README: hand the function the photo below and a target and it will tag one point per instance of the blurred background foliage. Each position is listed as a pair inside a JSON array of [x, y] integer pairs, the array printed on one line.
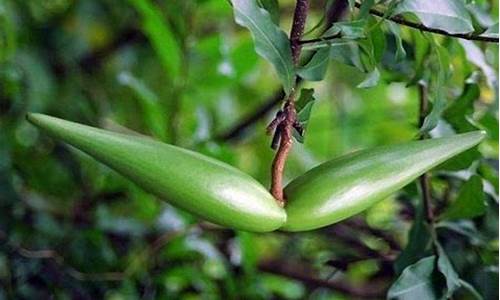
[[185, 73]]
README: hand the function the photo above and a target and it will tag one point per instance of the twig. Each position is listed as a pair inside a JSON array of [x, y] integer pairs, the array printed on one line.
[[333, 14], [419, 26], [285, 125], [424, 181]]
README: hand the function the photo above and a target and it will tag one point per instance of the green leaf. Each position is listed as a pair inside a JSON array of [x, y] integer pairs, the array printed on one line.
[[465, 228], [364, 10], [439, 100], [348, 30], [449, 273], [415, 282], [315, 69], [492, 31], [472, 290], [273, 8], [461, 161], [304, 106], [371, 79], [418, 240], [347, 53], [270, 41], [378, 44], [396, 32], [343, 31], [455, 114], [160, 35], [470, 201], [448, 15]]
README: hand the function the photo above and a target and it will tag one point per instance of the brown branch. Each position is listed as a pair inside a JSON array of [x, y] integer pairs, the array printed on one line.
[[419, 26], [285, 145], [375, 289], [285, 127], [299, 23]]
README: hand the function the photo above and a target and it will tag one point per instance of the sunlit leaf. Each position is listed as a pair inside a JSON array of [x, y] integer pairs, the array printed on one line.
[[448, 15]]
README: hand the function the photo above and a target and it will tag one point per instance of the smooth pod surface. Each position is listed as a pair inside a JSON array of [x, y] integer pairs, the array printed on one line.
[[201, 185], [347, 185]]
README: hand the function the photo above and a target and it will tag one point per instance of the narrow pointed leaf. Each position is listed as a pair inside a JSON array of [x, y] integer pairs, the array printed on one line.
[[160, 35], [446, 268], [201, 185], [270, 41], [347, 185]]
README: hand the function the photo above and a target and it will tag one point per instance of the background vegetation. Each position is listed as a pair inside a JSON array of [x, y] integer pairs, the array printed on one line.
[[185, 73]]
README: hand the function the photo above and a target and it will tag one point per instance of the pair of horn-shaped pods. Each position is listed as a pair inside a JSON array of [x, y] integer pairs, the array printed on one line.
[[222, 194]]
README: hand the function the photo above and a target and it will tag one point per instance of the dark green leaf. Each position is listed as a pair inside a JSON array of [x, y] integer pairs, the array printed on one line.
[[448, 15], [470, 202], [303, 106], [455, 114], [396, 32], [465, 228], [347, 53], [415, 282], [315, 69], [449, 273], [365, 8], [461, 161], [439, 100], [418, 240], [472, 290], [270, 41]]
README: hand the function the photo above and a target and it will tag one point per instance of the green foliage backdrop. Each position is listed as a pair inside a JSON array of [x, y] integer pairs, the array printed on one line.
[[186, 73]]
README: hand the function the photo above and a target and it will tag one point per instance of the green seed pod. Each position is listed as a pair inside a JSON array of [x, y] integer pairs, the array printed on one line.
[[347, 185], [201, 185]]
